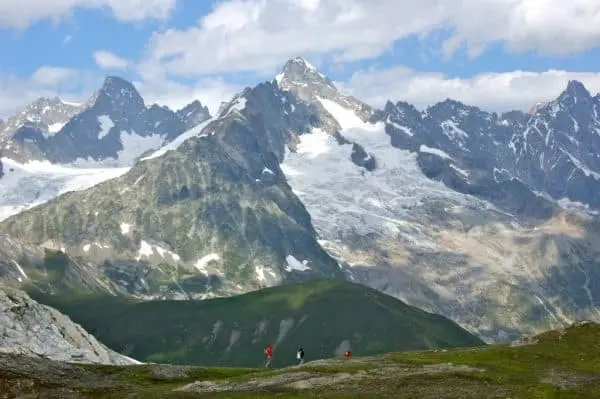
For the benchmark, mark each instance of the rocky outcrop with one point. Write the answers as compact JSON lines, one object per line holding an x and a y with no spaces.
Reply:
{"x":29,"y":328}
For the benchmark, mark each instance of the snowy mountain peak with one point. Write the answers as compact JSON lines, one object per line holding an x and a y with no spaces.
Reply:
{"x":451,"y":106}
{"x":303,"y":79}
{"x":235,"y":106}
{"x":193,"y":114}
{"x":302,"y":63}
{"x":576,"y":87}
{"x":574,"y":93}
{"x":116,"y":84}
{"x":120,"y":96}
{"x":400,"y":110}
{"x":48,"y":115}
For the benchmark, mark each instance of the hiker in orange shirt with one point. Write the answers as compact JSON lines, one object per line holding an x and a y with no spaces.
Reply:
{"x":269,"y":354}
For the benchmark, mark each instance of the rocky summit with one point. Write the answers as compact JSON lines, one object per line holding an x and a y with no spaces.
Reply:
{"x":487,"y":219}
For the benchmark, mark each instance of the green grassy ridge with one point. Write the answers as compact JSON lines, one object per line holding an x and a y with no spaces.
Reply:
{"x":531,"y":371}
{"x":324,"y":313}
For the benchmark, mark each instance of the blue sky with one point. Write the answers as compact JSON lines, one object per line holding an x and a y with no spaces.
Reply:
{"x":500,"y":54}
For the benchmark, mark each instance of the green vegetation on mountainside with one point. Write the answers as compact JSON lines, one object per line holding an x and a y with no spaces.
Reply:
{"x":560,"y":365}
{"x":325,"y":317}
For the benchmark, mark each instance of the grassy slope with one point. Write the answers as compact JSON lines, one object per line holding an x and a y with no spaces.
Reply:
{"x":559,"y":366}
{"x":324,"y":313}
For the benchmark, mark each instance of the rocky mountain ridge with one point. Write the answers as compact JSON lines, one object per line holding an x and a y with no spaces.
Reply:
{"x":552,"y":152}
{"x":201,"y":219}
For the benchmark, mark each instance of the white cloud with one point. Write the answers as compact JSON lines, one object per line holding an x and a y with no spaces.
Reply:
{"x":107,"y":60}
{"x":53,"y":77}
{"x":69,"y":84}
{"x":493,"y":91}
{"x":19,"y":14}
{"x":257,"y":35}
{"x":209,"y":91}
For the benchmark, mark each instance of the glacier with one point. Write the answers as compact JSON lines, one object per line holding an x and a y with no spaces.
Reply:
{"x":360,"y":201}
{"x":26,"y":185}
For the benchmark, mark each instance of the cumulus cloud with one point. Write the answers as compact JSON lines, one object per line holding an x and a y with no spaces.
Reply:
{"x":492,"y":91}
{"x":259,"y":35}
{"x":256,"y":35}
{"x":19,"y":14}
{"x":53,"y":77}
{"x":108,"y":60}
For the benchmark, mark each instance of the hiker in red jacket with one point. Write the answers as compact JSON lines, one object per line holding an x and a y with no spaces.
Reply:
{"x":269,"y":354}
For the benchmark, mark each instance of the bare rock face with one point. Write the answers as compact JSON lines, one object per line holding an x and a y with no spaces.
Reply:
{"x":29,"y":328}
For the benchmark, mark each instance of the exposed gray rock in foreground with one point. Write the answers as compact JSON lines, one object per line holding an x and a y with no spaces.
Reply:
{"x":29,"y":328}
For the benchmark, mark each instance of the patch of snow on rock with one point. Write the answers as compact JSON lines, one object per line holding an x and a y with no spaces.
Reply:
{"x":294,"y":264}
{"x":55,"y":127}
{"x":162,"y":251}
{"x":202,"y":263}
{"x":125,"y":228}
{"x":144,"y":251}
{"x":133,"y":145}
{"x":105,"y":125}
{"x":434,"y":151}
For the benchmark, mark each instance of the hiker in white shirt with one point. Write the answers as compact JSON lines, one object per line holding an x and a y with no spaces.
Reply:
{"x":300,"y":355}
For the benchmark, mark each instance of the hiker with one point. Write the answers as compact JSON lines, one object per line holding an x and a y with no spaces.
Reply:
{"x":347,"y":355}
{"x":300,"y":355}
{"x":269,"y":354}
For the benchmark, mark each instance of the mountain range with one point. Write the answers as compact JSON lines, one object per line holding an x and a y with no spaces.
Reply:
{"x":488,"y":219}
